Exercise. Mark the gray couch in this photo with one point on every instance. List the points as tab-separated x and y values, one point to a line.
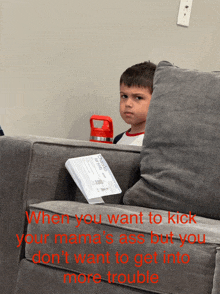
33	178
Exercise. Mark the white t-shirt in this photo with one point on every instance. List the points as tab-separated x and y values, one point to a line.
132	139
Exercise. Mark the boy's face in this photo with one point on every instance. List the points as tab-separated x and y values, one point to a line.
134	104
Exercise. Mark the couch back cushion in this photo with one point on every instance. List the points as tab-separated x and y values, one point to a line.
180	160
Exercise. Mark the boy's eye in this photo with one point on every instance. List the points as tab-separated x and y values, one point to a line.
124	96
139	98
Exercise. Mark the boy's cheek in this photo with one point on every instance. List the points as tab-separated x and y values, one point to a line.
121	106
120	110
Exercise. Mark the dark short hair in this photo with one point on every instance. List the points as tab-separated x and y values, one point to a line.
139	75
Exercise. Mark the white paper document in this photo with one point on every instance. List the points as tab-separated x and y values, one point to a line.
93	177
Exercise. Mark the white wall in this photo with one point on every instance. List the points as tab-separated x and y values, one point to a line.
61	59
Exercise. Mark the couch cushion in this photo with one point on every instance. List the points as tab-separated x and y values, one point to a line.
39	279
180	160
196	275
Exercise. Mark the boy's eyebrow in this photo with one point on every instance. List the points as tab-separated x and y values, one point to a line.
133	94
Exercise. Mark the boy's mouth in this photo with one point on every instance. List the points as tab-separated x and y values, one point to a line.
128	113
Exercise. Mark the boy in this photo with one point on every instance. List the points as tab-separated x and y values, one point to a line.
136	87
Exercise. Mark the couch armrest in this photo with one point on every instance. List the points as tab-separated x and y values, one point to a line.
14	163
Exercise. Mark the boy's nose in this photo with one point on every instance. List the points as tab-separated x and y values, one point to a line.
129	102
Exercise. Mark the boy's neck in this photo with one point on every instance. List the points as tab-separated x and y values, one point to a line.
137	129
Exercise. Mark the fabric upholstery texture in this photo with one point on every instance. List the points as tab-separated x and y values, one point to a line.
48	173
196	275
216	280
32	169
180	159
49	280
33	178
14	163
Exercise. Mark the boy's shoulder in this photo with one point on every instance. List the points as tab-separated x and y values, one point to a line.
117	138
126	138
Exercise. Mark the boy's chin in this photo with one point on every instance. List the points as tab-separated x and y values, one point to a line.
128	121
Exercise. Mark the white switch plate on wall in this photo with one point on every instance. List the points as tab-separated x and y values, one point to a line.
184	12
